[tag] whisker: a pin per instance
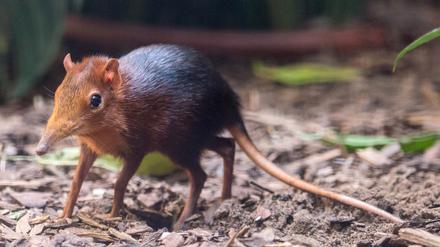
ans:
(49, 92)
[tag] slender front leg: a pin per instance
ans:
(127, 172)
(86, 159)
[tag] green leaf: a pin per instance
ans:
(156, 164)
(418, 143)
(153, 164)
(303, 74)
(16, 215)
(354, 142)
(34, 36)
(410, 144)
(418, 42)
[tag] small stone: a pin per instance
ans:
(262, 213)
(149, 200)
(99, 192)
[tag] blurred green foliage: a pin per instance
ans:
(30, 36)
(31, 31)
(408, 144)
(222, 14)
(304, 73)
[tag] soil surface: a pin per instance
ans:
(264, 211)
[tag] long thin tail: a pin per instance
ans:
(241, 137)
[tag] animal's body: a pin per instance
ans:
(163, 98)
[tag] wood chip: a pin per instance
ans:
(8, 233)
(7, 221)
(24, 184)
(99, 235)
(62, 223)
(39, 219)
(122, 235)
(91, 222)
(238, 234)
(419, 236)
(31, 199)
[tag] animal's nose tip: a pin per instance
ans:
(41, 149)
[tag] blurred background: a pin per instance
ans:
(35, 35)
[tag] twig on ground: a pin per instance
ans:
(322, 157)
(260, 186)
(238, 234)
(31, 184)
(89, 221)
(419, 236)
(121, 235)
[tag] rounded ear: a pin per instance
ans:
(111, 73)
(68, 64)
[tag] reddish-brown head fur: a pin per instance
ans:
(74, 112)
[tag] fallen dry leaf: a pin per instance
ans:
(8, 233)
(23, 226)
(37, 229)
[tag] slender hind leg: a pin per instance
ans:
(197, 178)
(225, 147)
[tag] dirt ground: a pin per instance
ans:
(264, 211)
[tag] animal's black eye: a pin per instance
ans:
(95, 101)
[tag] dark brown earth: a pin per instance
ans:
(377, 102)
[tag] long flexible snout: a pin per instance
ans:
(46, 141)
(43, 146)
(55, 132)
